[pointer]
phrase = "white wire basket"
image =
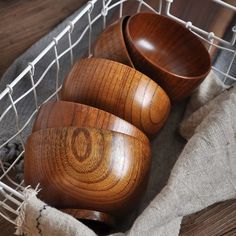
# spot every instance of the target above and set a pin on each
(97, 14)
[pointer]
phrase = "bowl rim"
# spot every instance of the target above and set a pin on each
(129, 41)
(122, 25)
(143, 136)
(93, 129)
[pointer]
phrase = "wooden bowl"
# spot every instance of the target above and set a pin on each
(87, 170)
(111, 45)
(167, 52)
(120, 90)
(64, 114)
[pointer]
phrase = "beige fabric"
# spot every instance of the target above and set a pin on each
(41, 219)
(189, 124)
(209, 89)
(205, 173)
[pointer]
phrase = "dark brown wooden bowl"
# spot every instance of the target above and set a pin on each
(111, 44)
(167, 52)
(64, 114)
(120, 90)
(87, 170)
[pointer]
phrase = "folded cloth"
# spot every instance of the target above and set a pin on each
(37, 218)
(204, 174)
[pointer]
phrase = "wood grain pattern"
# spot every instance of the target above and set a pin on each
(87, 168)
(24, 22)
(205, 14)
(216, 220)
(111, 44)
(167, 52)
(64, 114)
(7, 228)
(120, 90)
(19, 18)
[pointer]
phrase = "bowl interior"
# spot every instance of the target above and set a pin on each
(168, 45)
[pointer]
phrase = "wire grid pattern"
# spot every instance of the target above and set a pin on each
(10, 190)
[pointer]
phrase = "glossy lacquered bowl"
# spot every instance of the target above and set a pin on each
(167, 52)
(90, 172)
(65, 114)
(120, 90)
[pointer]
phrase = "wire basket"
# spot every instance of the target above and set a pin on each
(97, 13)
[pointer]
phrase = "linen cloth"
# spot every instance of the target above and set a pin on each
(202, 175)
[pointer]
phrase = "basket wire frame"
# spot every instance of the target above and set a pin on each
(11, 192)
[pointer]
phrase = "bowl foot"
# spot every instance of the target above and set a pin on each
(100, 222)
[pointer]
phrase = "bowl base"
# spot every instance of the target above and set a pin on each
(96, 220)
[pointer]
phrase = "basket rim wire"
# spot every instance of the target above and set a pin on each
(16, 196)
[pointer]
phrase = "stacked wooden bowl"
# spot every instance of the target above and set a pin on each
(90, 151)
(161, 48)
